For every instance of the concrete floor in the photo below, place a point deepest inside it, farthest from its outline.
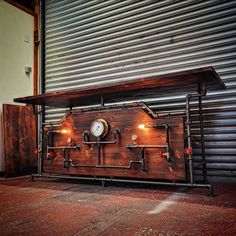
(52, 207)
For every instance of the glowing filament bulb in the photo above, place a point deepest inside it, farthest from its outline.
(64, 131)
(142, 126)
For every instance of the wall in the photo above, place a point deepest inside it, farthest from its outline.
(16, 52)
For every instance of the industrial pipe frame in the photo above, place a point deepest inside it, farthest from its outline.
(200, 93)
(68, 162)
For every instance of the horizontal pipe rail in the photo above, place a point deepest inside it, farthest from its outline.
(145, 146)
(64, 147)
(106, 166)
(177, 184)
(114, 106)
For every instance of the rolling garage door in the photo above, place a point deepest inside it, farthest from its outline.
(99, 42)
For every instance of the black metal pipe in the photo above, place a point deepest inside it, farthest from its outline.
(99, 152)
(162, 125)
(122, 167)
(115, 106)
(99, 141)
(66, 159)
(41, 114)
(42, 44)
(106, 166)
(64, 147)
(102, 102)
(49, 142)
(144, 146)
(167, 127)
(128, 105)
(192, 185)
(202, 92)
(143, 159)
(189, 141)
(202, 137)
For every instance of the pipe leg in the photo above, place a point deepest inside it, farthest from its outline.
(202, 140)
(189, 141)
(40, 155)
(32, 178)
(103, 184)
(168, 157)
(201, 92)
(211, 191)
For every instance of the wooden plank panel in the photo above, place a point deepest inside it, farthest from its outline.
(127, 120)
(19, 132)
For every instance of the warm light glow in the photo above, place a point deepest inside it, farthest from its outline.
(64, 131)
(142, 126)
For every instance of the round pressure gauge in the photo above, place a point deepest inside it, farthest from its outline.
(99, 128)
(69, 140)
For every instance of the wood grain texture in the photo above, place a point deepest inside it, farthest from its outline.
(161, 84)
(127, 120)
(19, 131)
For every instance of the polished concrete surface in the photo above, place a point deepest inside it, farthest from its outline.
(56, 207)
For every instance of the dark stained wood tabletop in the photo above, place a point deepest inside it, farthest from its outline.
(137, 88)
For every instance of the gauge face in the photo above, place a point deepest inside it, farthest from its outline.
(69, 140)
(99, 128)
(134, 137)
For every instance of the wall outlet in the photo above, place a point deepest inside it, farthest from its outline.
(28, 69)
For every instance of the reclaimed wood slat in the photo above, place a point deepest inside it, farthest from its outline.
(19, 132)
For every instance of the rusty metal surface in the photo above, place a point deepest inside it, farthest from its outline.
(77, 208)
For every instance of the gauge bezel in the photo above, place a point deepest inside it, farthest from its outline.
(104, 126)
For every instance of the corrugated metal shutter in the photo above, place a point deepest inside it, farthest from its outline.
(90, 42)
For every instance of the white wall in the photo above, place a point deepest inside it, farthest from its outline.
(16, 52)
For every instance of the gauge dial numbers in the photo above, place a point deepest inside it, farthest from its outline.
(99, 128)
